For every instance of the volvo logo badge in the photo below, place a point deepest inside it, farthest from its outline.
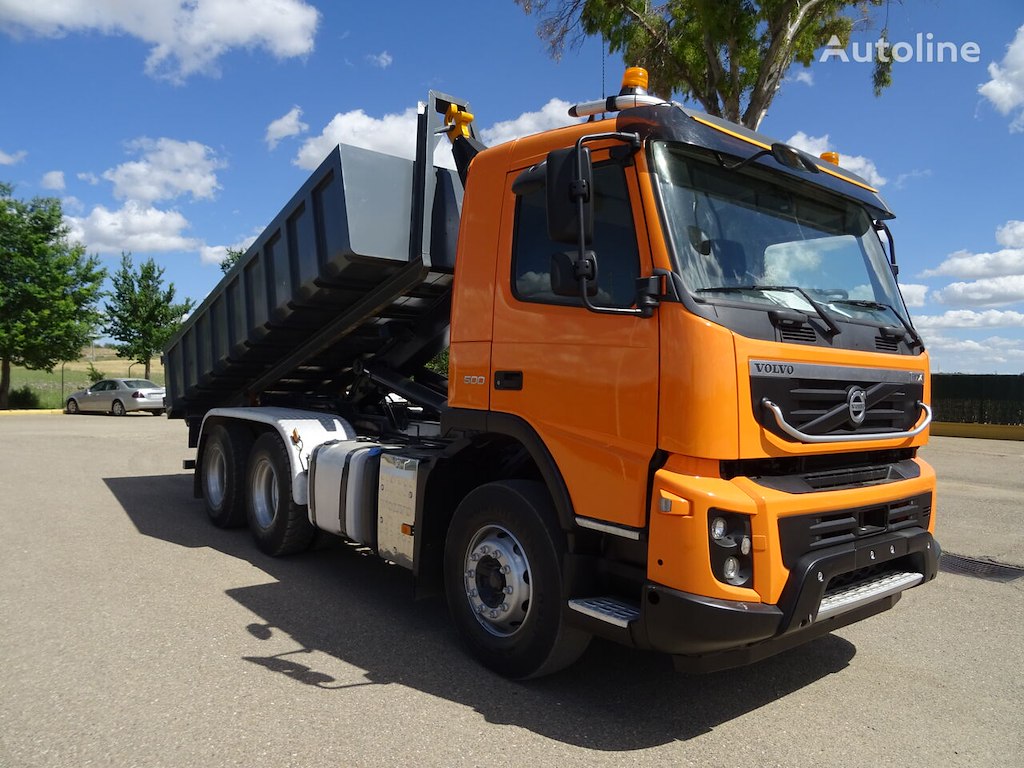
(857, 402)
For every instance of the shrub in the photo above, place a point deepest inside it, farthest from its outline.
(95, 374)
(24, 397)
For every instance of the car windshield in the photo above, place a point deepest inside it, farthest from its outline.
(737, 236)
(141, 384)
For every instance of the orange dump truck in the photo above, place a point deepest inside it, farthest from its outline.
(683, 405)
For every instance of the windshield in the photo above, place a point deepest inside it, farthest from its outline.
(737, 236)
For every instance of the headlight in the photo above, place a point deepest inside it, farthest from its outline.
(730, 548)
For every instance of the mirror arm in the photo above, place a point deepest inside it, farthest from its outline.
(581, 193)
(881, 226)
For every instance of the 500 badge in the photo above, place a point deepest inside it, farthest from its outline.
(474, 380)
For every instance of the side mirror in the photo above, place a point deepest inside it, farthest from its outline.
(567, 185)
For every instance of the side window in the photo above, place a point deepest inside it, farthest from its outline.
(618, 259)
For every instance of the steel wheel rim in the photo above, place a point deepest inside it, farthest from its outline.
(216, 476)
(498, 580)
(264, 494)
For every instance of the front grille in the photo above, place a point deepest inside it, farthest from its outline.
(815, 399)
(802, 534)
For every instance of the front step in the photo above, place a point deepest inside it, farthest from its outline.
(856, 595)
(608, 609)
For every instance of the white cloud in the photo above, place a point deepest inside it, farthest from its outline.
(186, 37)
(987, 292)
(88, 178)
(71, 204)
(53, 180)
(392, 134)
(285, 126)
(395, 134)
(133, 227)
(903, 178)
(968, 318)
(215, 254)
(858, 164)
(1009, 261)
(167, 169)
(913, 294)
(382, 59)
(554, 114)
(17, 157)
(804, 76)
(1011, 234)
(994, 354)
(1005, 90)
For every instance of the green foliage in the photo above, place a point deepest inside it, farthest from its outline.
(234, 254)
(439, 364)
(48, 288)
(95, 374)
(142, 314)
(729, 55)
(24, 397)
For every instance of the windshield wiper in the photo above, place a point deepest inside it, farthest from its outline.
(834, 329)
(868, 304)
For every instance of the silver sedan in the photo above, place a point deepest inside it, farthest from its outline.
(118, 396)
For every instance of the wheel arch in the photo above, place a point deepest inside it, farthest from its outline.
(493, 447)
(313, 429)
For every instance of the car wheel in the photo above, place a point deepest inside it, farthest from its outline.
(222, 473)
(279, 525)
(503, 580)
(117, 408)
(72, 407)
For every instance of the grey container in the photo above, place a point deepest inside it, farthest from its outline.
(328, 276)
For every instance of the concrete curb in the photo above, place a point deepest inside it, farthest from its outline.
(25, 411)
(985, 431)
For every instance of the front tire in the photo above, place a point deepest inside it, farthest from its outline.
(72, 407)
(503, 580)
(279, 525)
(117, 408)
(222, 473)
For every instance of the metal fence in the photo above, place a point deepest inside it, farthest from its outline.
(978, 398)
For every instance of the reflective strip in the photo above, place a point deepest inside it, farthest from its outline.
(614, 530)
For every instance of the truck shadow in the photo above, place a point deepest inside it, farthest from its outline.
(347, 604)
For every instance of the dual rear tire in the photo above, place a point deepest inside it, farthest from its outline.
(247, 479)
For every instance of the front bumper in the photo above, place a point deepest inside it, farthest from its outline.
(706, 634)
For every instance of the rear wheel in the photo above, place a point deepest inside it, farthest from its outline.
(117, 408)
(503, 580)
(72, 406)
(279, 525)
(225, 455)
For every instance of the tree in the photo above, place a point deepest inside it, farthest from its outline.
(729, 55)
(234, 254)
(49, 289)
(142, 315)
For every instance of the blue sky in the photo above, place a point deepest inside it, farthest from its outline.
(174, 129)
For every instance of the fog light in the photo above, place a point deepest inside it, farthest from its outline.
(745, 546)
(730, 568)
(718, 528)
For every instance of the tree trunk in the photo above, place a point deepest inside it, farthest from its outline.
(5, 383)
(147, 366)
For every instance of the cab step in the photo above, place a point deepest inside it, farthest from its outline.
(609, 609)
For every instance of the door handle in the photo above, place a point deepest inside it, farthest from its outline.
(508, 380)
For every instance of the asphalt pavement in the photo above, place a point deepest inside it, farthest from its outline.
(133, 633)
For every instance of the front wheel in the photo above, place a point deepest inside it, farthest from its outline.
(72, 407)
(503, 580)
(279, 525)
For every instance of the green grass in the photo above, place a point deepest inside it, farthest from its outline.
(76, 376)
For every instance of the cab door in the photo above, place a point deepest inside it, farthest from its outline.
(586, 382)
